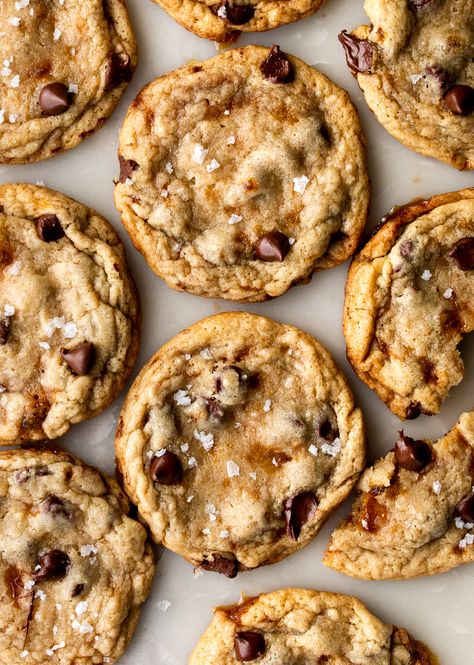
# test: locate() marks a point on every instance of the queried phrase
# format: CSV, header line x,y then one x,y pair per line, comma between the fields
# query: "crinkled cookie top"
x,y
415,65
242,175
74,569
237,440
63,68
409,300
69,314
298,627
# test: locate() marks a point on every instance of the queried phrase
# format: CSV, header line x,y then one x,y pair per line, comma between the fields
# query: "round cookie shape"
x,y
74,569
223,20
405,522
237,440
69,314
298,626
408,303
65,67
414,65
242,175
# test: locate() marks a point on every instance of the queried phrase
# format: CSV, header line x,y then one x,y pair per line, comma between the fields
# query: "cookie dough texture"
x,y
202,17
212,152
405,524
85,609
419,50
256,413
86,45
57,295
301,626
408,304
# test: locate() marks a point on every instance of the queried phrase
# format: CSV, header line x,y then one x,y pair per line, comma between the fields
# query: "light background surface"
x,y
437,610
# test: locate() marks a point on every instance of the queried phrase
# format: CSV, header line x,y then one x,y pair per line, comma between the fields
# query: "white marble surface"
x,y
437,610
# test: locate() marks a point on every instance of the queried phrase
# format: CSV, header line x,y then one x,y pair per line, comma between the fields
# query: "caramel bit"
x,y
374,514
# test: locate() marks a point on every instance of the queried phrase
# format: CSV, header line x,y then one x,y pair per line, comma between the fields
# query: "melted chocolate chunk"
x,y
77,590
53,566
299,510
127,167
248,645
460,99
80,358
465,509
221,564
440,75
215,408
413,411
327,432
55,98
4,330
463,253
118,71
273,246
53,505
418,5
48,228
412,455
237,14
166,469
359,52
276,67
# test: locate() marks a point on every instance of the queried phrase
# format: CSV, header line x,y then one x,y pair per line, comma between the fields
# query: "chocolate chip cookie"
x,y
224,20
414,514
299,626
237,440
69,314
242,175
74,569
415,66
409,296
65,65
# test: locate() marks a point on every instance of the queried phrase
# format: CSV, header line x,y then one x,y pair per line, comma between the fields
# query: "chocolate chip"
x,y
79,358
276,67
237,14
166,469
53,566
418,5
215,408
460,99
221,564
118,71
326,431
359,52
298,510
412,455
54,506
127,167
4,329
249,645
465,509
78,589
48,228
55,98
273,246
413,411
463,253
440,75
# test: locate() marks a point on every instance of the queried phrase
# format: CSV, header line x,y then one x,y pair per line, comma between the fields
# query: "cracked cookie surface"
x,y
299,626
237,440
415,511
69,314
65,66
409,296
74,569
242,175
415,66
222,20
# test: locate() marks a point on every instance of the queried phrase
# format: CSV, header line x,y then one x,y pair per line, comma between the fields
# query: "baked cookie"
x,y
224,20
74,569
409,296
415,66
69,314
414,514
298,627
237,440
65,66
242,175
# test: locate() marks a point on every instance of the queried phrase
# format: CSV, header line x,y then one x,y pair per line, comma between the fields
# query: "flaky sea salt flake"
x,y
233,469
